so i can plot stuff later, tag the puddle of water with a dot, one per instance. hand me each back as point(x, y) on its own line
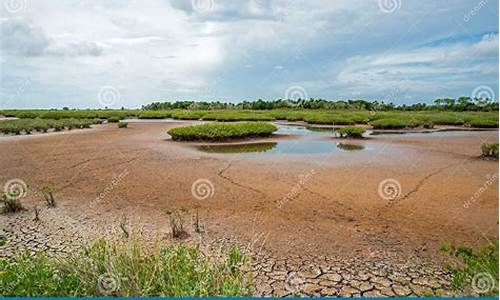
point(301, 147)
point(237, 148)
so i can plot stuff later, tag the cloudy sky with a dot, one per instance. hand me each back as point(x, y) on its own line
point(80, 53)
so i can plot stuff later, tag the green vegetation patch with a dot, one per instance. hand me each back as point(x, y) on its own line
point(126, 270)
point(476, 272)
point(393, 124)
point(350, 132)
point(489, 150)
point(27, 126)
point(222, 131)
point(483, 123)
point(155, 115)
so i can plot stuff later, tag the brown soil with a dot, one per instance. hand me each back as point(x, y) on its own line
point(302, 205)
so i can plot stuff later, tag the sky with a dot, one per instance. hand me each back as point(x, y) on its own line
point(114, 53)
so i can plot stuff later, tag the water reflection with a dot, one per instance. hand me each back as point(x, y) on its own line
point(350, 147)
point(303, 147)
point(237, 148)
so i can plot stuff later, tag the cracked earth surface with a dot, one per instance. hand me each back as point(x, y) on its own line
point(319, 222)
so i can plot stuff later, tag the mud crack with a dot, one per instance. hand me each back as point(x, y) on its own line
point(221, 175)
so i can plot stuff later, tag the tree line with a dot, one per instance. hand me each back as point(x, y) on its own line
point(448, 104)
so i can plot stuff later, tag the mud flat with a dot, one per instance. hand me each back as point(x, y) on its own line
point(318, 223)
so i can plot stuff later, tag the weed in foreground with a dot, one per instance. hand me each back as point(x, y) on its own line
point(176, 220)
point(489, 150)
point(126, 269)
point(10, 204)
point(48, 194)
point(476, 272)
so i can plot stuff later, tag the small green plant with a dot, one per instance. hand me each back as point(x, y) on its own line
point(3, 241)
point(122, 125)
point(476, 272)
point(48, 194)
point(176, 221)
point(489, 150)
point(350, 132)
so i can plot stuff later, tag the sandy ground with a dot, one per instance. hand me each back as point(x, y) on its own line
point(293, 205)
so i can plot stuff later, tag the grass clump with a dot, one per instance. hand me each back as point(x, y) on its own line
point(228, 116)
point(126, 269)
point(393, 124)
point(476, 272)
point(122, 124)
point(483, 123)
point(489, 150)
point(350, 132)
point(154, 115)
point(27, 126)
point(114, 119)
point(222, 131)
point(48, 195)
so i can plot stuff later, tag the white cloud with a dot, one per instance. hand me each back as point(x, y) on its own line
point(236, 49)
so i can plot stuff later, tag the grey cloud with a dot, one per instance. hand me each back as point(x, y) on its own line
point(21, 38)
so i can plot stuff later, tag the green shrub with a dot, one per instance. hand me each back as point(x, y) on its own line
point(478, 271)
point(154, 115)
point(483, 123)
point(128, 270)
point(350, 132)
point(490, 150)
point(222, 131)
point(227, 116)
point(114, 119)
point(188, 115)
point(393, 124)
point(43, 125)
